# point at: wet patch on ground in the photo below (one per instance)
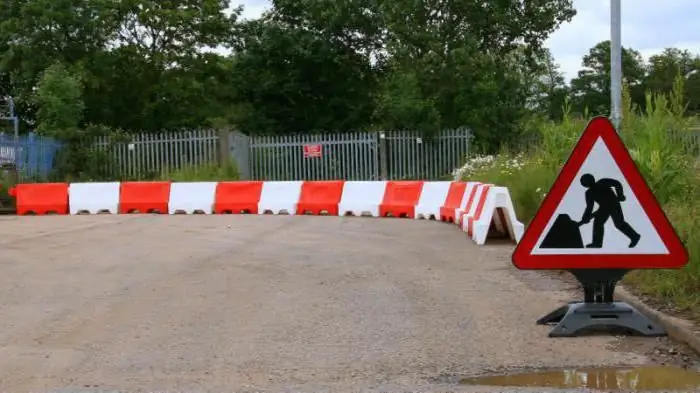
(637, 378)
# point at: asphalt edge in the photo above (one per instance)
(675, 331)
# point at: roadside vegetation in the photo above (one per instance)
(658, 139)
(211, 172)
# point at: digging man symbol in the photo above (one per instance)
(608, 200)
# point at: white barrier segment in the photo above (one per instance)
(93, 198)
(497, 199)
(192, 197)
(432, 197)
(279, 197)
(361, 197)
(470, 209)
(465, 199)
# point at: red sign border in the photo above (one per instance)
(600, 127)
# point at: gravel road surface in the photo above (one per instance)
(271, 303)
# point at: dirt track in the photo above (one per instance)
(232, 303)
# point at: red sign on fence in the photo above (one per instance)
(312, 151)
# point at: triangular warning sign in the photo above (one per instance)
(600, 214)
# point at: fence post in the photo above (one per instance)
(224, 147)
(383, 167)
(239, 151)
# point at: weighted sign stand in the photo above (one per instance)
(598, 310)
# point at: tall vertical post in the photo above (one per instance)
(615, 64)
(383, 167)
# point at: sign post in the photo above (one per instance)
(599, 221)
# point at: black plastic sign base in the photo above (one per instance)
(598, 310)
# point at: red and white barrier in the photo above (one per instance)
(279, 197)
(400, 199)
(481, 210)
(192, 198)
(237, 197)
(320, 197)
(93, 198)
(471, 200)
(361, 198)
(494, 211)
(476, 207)
(432, 198)
(40, 199)
(144, 197)
(453, 201)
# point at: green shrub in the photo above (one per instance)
(210, 172)
(6, 182)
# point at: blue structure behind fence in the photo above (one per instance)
(33, 154)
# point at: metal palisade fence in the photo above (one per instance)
(396, 155)
(148, 156)
(391, 155)
(409, 155)
(31, 155)
(349, 156)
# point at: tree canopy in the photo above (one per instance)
(306, 66)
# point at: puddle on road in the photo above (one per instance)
(642, 378)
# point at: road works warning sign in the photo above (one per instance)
(600, 214)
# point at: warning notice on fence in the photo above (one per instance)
(313, 151)
(7, 154)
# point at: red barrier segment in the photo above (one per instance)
(319, 197)
(237, 197)
(454, 198)
(479, 210)
(400, 199)
(41, 198)
(144, 197)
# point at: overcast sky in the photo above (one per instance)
(648, 26)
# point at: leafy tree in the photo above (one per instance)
(60, 111)
(356, 25)
(40, 32)
(60, 102)
(168, 31)
(402, 103)
(163, 40)
(150, 42)
(291, 80)
(549, 88)
(591, 88)
(441, 60)
(666, 66)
